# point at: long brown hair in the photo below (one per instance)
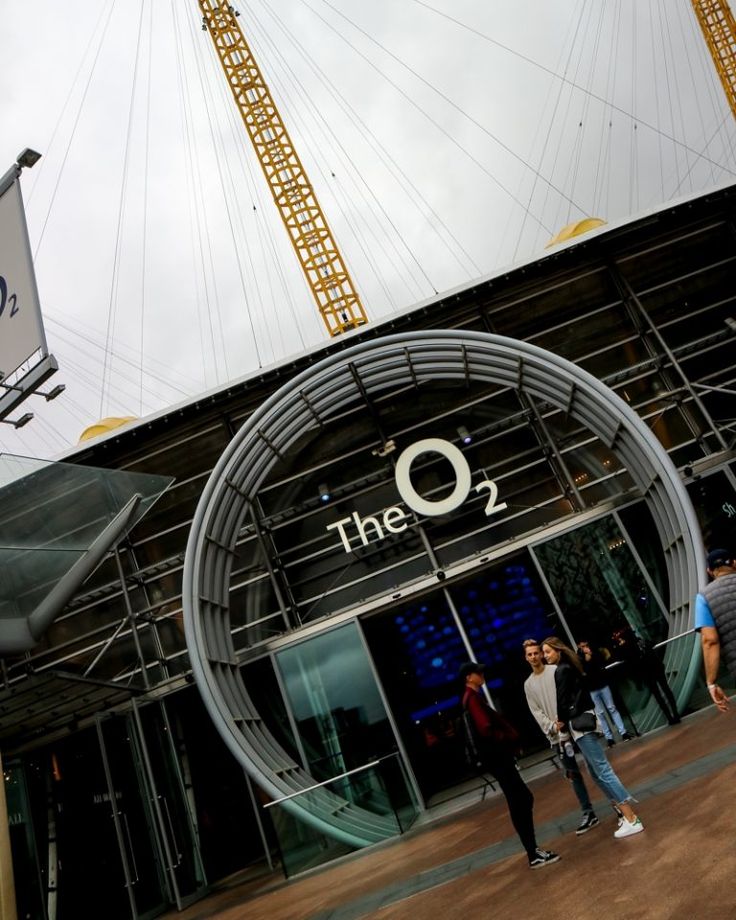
(564, 650)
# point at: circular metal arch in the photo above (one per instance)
(329, 387)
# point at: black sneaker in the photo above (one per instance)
(610, 742)
(543, 858)
(626, 736)
(589, 821)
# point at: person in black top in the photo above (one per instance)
(575, 712)
(645, 667)
(594, 665)
(495, 740)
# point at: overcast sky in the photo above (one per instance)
(445, 139)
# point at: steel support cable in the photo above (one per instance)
(557, 76)
(74, 127)
(188, 173)
(565, 119)
(144, 241)
(660, 134)
(603, 170)
(699, 109)
(216, 79)
(200, 213)
(664, 31)
(551, 122)
(115, 280)
(383, 365)
(371, 199)
(454, 105)
(40, 169)
(266, 236)
(383, 153)
(192, 386)
(430, 119)
(318, 118)
(586, 109)
(205, 87)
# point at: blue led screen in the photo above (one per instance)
(499, 609)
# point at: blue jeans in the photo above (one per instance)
(601, 770)
(572, 771)
(603, 702)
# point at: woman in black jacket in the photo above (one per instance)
(574, 704)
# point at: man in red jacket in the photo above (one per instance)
(495, 740)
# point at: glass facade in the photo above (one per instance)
(569, 549)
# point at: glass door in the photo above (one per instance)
(162, 774)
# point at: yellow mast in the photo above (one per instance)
(328, 278)
(719, 28)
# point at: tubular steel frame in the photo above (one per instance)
(331, 386)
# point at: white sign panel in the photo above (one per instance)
(21, 328)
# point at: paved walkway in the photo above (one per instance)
(683, 867)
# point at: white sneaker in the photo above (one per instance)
(629, 828)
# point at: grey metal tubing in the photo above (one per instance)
(328, 389)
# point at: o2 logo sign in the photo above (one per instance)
(395, 519)
(7, 302)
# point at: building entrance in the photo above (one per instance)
(116, 822)
(418, 649)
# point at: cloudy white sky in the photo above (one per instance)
(445, 139)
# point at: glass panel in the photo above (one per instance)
(50, 514)
(714, 498)
(81, 833)
(173, 808)
(136, 818)
(598, 583)
(636, 677)
(499, 608)
(418, 650)
(382, 789)
(30, 877)
(337, 708)
(224, 815)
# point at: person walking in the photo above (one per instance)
(495, 740)
(644, 665)
(576, 714)
(541, 697)
(594, 666)
(715, 620)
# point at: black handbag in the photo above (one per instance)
(584, 722)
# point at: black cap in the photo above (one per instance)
(470, 667)
(718, 557)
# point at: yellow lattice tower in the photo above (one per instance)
(328, 278)
(719, 28)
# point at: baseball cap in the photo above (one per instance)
(718, 557)
(470, 667)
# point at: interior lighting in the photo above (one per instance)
(464, 435)
(324, 493)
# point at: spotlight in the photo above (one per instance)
(324, 493)
(465, 436)
(28, 158)
(731, 323)
(18, 423)
(52, 394)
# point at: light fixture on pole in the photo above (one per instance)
(28, 158)
(20, 422)
(464, 435)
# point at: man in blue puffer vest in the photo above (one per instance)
(715, 619)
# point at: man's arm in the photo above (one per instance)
(711, 660)
(543, 720)
(711, 645)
